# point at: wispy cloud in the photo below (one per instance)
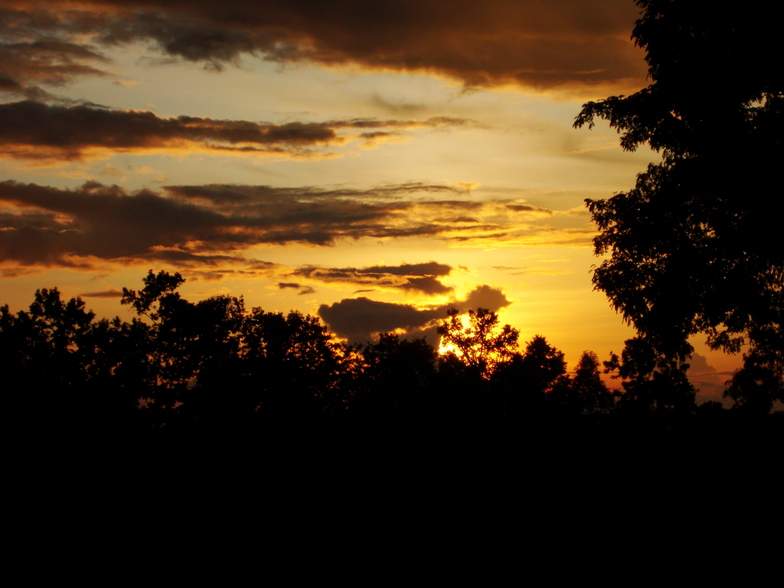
(213, 224)
(38, 131)
(420, 277)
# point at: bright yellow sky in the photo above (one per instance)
(466, 160)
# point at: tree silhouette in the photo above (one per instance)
(587, 386)
(650, 379)
(543, 362)
(164, 341)
(159, 289)
(48, 359)
(217, 394)
(213, 367)
(120, 373)
(693, 246)
(398, 378)
(524, 383)
(295, 368)
(480, 345)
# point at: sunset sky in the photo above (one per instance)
(371, 162)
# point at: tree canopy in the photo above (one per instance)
(693, 247)
(482, 344)
(213, 367)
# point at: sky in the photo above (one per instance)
(369, 162)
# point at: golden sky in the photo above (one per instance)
(369, 162)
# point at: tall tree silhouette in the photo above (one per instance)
(480, 345)
(295, 367)
(587, 386)
(693, 247)
(45, 360)
(523, 384)
(651, 380)
(475, 352)
(163, 341)
(399, 375)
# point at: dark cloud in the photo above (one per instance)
(431, 268)
(360, 319)
(102, 294)
(221, 194)
(33, 130)
(527, 208)
(98, 221)
(241, 268)
(211, 225)
(559, 43)
(433, 121)
(484, 297)
(8, 84)
(26, 65)
(190, 225)
(420, 277)
(321, 216)
(427, 285)
(303, 290)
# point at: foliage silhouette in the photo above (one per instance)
(587, 385)
(398, 380)
(693, 247)
(543, 362)
(523, 384)
(295, 366)
(44, 356)
(651, 380)
(158, 289)
(480, 345)
(214, 367)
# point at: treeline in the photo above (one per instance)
(213, 365)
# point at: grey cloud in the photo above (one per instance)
(69, 131)
(484, 297)
(427, 285)
(431, 268)
(421, 277)
(303, 290)
(102, 221)
(527, 208)
(359, 319)
(34, 130)
(184, 225)
(102, 294)
(561, 43)
(26, 64)
(211, 225)
(433, 121)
